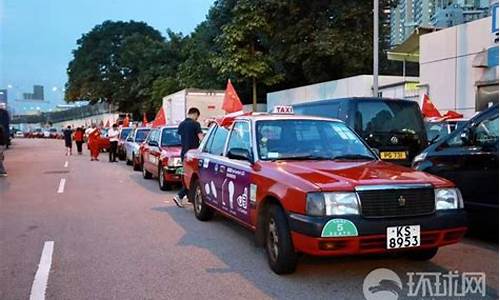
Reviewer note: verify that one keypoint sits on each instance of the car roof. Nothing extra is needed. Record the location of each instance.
(271, 117)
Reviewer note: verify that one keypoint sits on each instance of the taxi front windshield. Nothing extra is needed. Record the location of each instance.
(170, 138)
(124, 133)
(309, 139)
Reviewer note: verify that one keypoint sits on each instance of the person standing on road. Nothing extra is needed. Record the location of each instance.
(3, 146)
(78, 138)
(113, 134)
(93, 142)
(67, 139)
(190, 132)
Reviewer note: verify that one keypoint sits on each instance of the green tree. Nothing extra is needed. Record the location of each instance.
(117, 62)
(244, 52)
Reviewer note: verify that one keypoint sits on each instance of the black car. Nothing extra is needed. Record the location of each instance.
(394, 127)
(469, 158)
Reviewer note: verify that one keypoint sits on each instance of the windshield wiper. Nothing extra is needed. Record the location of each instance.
(354, 157)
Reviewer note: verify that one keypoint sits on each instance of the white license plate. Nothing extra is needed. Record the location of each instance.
(403, 236)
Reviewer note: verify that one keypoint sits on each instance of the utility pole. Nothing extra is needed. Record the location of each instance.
(375, 48)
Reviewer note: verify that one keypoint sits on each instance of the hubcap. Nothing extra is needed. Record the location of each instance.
(272, 240)
(198, 200)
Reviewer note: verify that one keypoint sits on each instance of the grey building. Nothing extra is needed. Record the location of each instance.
(3, 96)
(36, 95)
(407, 15)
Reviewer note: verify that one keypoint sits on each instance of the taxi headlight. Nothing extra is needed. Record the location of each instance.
(450, 198)
(332, 204)
(174, 162)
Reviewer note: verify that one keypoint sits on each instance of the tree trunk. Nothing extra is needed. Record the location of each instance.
(254, 95)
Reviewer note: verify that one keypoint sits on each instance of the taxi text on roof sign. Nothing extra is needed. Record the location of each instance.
(283, 109)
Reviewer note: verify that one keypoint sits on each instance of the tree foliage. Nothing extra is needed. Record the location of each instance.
(279, 43)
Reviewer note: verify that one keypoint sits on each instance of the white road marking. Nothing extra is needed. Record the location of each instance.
(66, 164)
(60, 190)
(42, 274)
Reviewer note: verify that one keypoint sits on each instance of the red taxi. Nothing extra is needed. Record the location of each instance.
(161, 156)
(311, 185)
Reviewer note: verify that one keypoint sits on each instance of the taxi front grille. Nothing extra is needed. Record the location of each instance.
(397, 202)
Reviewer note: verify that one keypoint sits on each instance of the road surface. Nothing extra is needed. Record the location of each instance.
(117, 236)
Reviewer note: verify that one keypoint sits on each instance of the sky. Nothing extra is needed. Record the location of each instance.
(37, 36)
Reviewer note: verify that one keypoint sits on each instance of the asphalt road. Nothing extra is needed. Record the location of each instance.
(117, 236)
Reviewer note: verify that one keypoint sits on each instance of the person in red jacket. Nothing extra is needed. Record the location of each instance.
(93, 142)
(78, 138)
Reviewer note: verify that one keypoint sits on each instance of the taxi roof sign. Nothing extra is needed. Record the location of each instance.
(283, 109)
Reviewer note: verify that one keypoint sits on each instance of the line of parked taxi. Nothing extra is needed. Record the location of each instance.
(336, 182)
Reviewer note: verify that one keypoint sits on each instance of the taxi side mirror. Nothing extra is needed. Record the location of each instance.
(129, 139)
(239, 154)
(153, 143)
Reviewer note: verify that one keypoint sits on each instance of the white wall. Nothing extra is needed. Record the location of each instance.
(111, 117)
(446, 64)
(356, 86)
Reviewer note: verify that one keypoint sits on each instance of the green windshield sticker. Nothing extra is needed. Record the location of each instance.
(339, 228)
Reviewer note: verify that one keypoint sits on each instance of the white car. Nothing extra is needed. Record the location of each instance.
(19, 134)
(132, 143)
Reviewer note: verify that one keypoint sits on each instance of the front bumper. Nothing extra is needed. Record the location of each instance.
(436, 230)
(169, 174)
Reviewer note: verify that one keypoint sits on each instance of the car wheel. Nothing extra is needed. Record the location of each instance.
(164, 185)
(129, 162)
(422, 255)
(281, 254)
(201, 211)
(135, 165)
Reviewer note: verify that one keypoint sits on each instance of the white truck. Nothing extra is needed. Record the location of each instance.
(209, 102)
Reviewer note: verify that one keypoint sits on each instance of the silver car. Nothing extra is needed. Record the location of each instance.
(132, 144)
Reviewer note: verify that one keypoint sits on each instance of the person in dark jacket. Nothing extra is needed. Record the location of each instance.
(190, 132)
(68, 139)
(3, 145)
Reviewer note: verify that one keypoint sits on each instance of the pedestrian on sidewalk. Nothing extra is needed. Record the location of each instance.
(113, 134)
(3, 146)
(68, 132)
(93, 142)
(78, 138)
(190, 132)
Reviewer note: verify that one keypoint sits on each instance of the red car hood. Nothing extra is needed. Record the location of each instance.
(172, 151)
(337, 175)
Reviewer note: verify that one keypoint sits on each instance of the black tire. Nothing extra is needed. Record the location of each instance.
(135, 165)
(162, 183)
(281, 254)
(201, 211)
(129, 162)
(145, 173)
(422, 255)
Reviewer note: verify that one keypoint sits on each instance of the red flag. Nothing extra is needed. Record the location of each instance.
(451, 115)
(126, 121)
(144, 119)
(428, 108)
(231, 102)
(159, 119)
(228, 119)
(107, 124)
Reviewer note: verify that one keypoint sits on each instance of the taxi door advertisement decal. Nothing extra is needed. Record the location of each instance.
(209, 179)
(235, 193)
